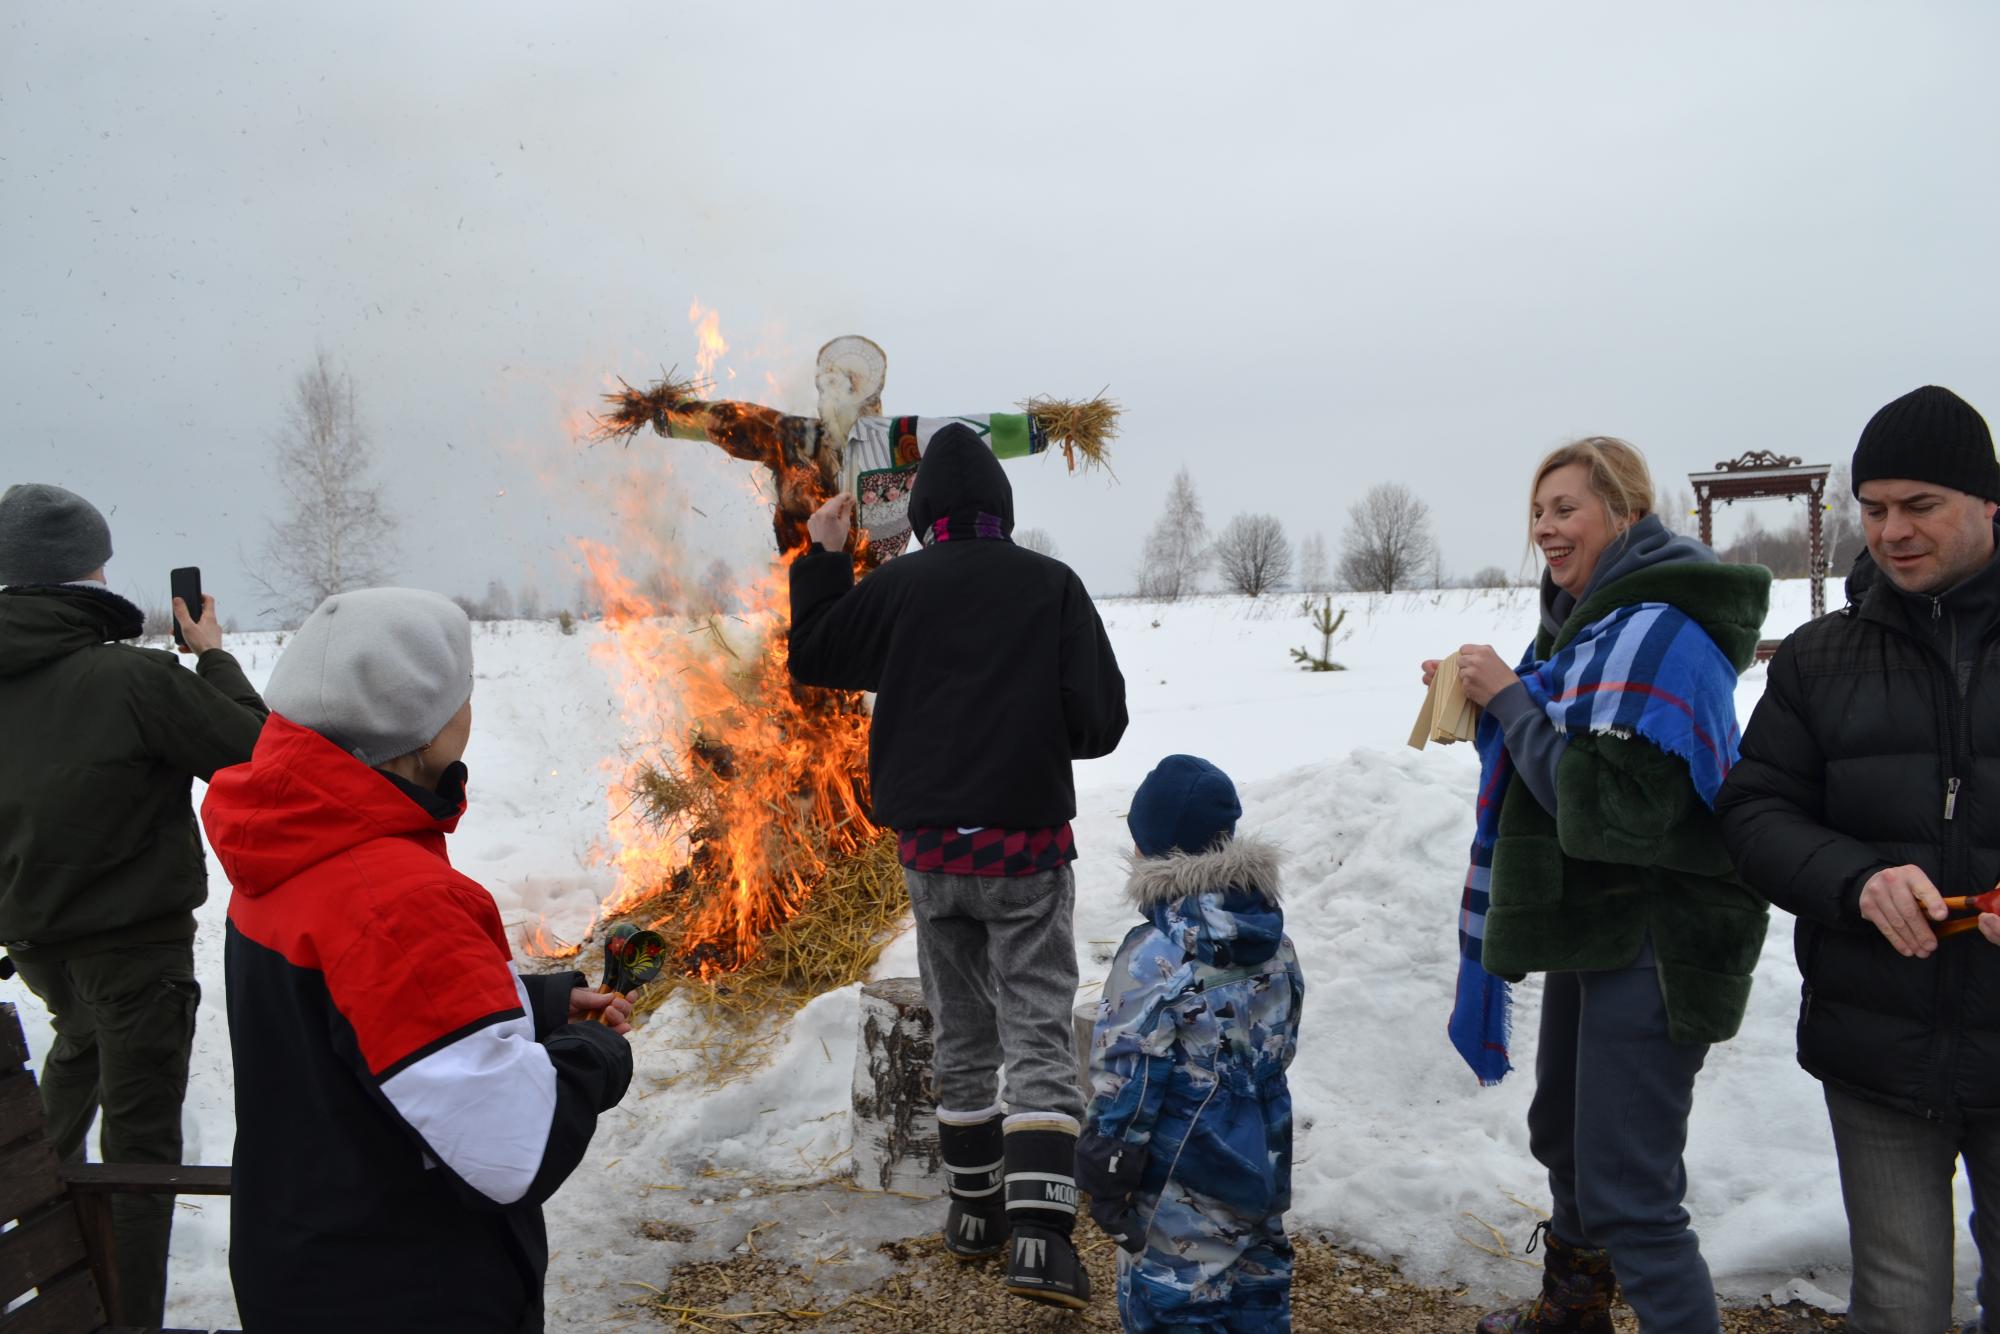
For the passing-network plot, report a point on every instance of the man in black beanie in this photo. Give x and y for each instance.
(101, 867)
(1869, 792)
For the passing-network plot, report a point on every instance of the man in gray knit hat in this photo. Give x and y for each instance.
(101, 867)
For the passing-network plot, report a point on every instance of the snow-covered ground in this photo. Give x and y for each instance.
(1400, 1153)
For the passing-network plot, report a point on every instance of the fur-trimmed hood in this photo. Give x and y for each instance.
(1220, 906)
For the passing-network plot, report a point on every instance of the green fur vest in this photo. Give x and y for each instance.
(1632, 850)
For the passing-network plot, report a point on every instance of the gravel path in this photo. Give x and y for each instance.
(930, 1293)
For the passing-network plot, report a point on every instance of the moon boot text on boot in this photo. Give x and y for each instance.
(1042, 1266)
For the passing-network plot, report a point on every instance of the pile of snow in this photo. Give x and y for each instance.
(1400, 1153)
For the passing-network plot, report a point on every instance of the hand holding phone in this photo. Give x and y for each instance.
(199, 612)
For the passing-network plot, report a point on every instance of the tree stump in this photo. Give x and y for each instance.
(895, 1111)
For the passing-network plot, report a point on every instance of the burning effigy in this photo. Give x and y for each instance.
(746, 838)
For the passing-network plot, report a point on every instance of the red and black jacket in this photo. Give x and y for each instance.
(405, 1100)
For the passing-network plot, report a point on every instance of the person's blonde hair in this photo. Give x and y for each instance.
(1618, 477)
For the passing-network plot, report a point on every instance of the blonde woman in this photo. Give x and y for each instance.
(1598, 860)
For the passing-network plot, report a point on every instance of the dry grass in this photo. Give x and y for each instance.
(831, 941)
(1334, 1291)
(629, 411)
(1085, 429)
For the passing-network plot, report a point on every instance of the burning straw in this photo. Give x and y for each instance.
(1079, 428)
(630, 411)
(831, 941)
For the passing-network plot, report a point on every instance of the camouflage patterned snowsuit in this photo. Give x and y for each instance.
(1200, 1017)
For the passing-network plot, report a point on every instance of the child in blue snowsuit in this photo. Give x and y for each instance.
(1187, 1145)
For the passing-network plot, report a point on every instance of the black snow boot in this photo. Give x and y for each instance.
(976, 1225)
(1577, 1290)
(1041, 1211)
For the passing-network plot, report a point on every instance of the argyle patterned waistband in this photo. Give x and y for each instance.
(1001, 852)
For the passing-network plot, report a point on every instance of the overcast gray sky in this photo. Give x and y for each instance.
(1308, 246)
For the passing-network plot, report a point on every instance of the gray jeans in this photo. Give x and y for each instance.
(1609, 1120)
(1895, 1178)
(998, 960)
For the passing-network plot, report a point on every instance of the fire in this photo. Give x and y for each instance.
(742, 789)
(710, 345)
(753, 786)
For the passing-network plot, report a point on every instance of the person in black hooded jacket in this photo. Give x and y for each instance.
(1868, 790)
(992, 673)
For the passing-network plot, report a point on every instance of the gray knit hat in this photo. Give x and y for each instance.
(49, 535)
(378, 671)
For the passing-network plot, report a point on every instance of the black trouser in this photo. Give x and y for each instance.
(124, 1022)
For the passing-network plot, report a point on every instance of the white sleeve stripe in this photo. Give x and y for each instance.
(484, 1104)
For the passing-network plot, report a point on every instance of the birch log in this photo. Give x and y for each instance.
(895, 1111)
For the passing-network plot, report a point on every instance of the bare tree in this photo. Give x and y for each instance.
(717, 591)
(1177, 548)
(1842, 531)
(1388, 543)
(1035, 539)
(1314, 573)
(1489, 576)
(499, 601)
(1253, 554)
(1677, 510)
(530, 603)
(337, 532)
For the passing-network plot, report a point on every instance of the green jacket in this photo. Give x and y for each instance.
(1632, 849)
(98, 842)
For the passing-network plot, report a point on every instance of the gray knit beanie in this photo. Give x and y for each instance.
(378, 671)
(49, 535)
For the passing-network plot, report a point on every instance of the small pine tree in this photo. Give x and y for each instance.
(1328, 624)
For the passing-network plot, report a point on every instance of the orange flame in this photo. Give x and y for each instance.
(783, 770)
(710, 345)
(777, 774)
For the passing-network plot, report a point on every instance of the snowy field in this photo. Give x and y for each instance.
(1400, 1153)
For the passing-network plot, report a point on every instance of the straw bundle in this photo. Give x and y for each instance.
(832, 940)
(1079, 428)
(629, 411)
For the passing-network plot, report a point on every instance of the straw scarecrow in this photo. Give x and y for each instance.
(851, 446)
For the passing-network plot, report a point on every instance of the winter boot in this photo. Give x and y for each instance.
(1577, 1288)
(1041, 1210)
(976, 1226)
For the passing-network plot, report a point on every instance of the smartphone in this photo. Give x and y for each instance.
(185, 584)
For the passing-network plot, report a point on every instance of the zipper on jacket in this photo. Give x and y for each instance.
(1950, 797)
(1958, 870)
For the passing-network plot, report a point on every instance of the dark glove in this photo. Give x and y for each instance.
(1111, 1170)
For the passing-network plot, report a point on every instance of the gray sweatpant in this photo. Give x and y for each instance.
(1609, 1120)
(997, 957)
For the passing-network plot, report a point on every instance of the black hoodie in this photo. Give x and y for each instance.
(990, 666)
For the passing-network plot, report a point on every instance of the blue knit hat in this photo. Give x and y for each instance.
(1185, 803)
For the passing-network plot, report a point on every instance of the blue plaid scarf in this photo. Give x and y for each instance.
(1644, 670)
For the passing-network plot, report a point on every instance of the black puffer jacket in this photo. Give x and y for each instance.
(992, 668)
(1877, 744)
